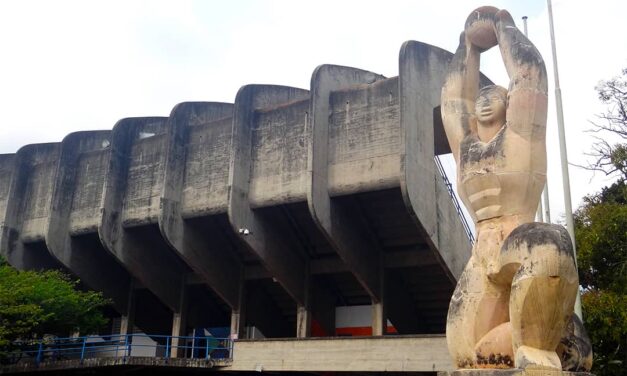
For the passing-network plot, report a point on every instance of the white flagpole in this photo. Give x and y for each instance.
(563, 153)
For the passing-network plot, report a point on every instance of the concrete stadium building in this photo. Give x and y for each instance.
(317, 219)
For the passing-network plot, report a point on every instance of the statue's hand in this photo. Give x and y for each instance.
(502, 20)
(480, 28)
(502, 17)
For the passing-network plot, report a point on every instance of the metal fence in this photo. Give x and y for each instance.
(451, 192)
(121, 346)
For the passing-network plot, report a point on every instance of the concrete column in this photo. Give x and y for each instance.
(379, 321)
(238, 314)
(303, 321)
(215, 265)
(285, 265)
(421, 74)
(379, 307)
(303, 311)
(127, 322)
(238, 320)
(344, 230)
(179, 324)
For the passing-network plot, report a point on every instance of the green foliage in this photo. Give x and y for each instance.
(601, 235)
(605, 318)
(615, 193)
(36, 303)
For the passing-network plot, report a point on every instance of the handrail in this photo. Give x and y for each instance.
(456, 204)
(122, 346)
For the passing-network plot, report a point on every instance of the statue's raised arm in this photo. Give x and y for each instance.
(459, 93)
(527, 94)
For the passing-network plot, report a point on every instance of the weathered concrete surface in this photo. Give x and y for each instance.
(28, 206)
(334, 191)
(190, 137)
(284, 264)
(348, 237)
(131, 207)
(6, 170)
(422, 69)
(114, 365)
(364, 142)
(358, 354)
(512, 372)
(263, 117)
(75, 212)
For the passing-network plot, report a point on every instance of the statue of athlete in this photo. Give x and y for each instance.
(514, 301)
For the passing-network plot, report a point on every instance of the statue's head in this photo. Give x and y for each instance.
(491, 105)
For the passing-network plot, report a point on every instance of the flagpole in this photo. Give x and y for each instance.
(563, 152)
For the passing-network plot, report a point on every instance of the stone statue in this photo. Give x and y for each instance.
(513, 305)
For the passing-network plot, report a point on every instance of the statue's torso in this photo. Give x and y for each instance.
(502, 177)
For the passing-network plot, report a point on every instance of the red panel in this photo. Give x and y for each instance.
(361, 331)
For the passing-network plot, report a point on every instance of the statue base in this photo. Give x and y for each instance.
(530, 371)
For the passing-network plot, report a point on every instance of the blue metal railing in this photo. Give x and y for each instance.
(123, 346)
(451, 192)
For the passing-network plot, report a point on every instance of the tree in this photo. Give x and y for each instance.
(605, 318)
(602, 239)
(33, 304)
(601, 236)
(611, 158)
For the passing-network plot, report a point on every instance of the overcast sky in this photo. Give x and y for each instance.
(77, 65)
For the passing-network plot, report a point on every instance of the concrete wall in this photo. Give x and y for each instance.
(391, 354)
(28, 207)
(280, 186)
(6, 169)
(207, 169)
(71, 235)
(421, 73)
(364, 136)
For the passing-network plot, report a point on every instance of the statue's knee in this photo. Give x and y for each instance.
(537, 241)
